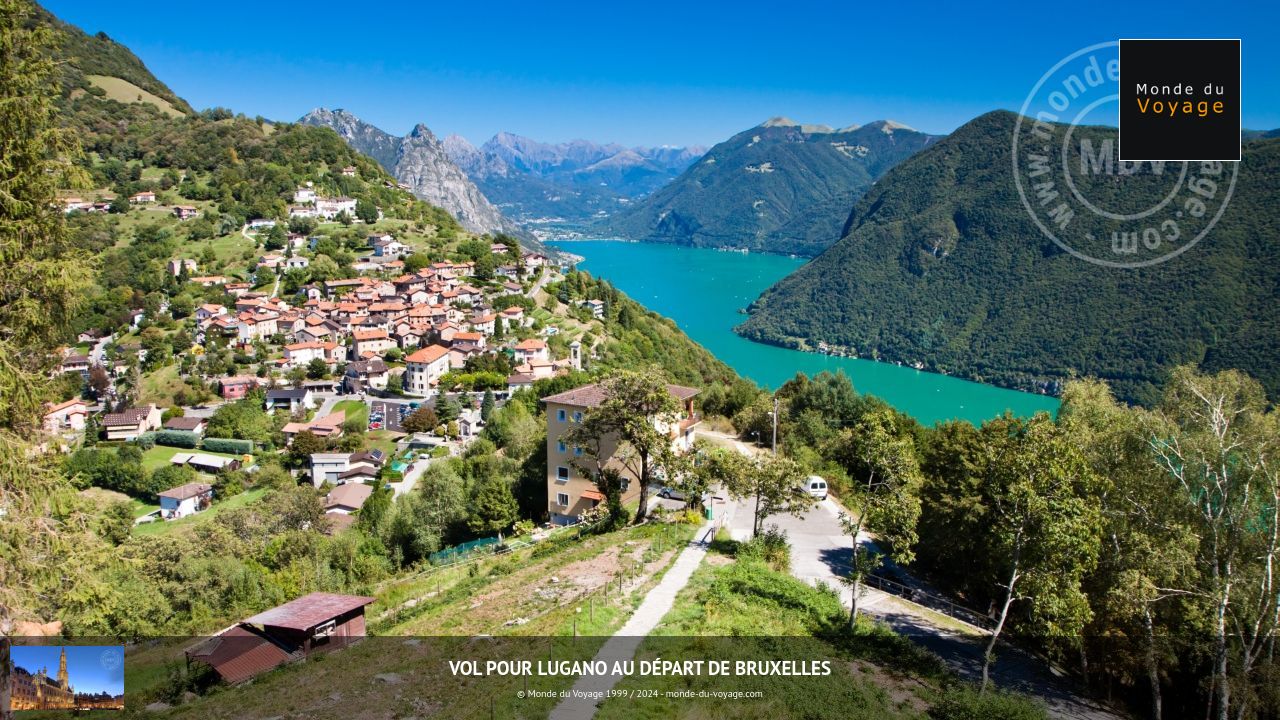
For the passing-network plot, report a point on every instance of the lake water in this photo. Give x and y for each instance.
(703, 290)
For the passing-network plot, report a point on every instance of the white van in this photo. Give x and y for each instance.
(816, 487)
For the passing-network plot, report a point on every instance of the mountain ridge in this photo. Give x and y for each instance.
(780, 186)
(420, 161)
(573, 181)
(941, 266)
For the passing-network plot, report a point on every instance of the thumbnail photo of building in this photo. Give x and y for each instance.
(99, 668)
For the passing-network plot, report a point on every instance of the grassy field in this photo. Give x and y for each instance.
(247, 497)
(743, 610)
(160, 455)
(383, 440)
(355, 410)
(507, 607)
(126, 92)
(159, 386)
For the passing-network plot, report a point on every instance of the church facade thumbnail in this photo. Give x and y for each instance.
(39, 691)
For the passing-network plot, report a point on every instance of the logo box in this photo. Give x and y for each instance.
(1180, 100)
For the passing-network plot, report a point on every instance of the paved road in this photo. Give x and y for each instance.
(821, 552)
(99, 349)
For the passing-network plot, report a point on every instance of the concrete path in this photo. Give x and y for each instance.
(623, 645)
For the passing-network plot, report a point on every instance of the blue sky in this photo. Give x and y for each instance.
(85, 667)
(647, 73)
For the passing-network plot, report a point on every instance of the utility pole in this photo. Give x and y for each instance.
(775, 424)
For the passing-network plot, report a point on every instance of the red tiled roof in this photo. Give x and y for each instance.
(430, 353)
(309, 611)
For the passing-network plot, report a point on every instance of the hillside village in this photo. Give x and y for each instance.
(412, 339)
(257, 393)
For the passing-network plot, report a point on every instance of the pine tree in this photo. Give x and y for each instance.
(45, 544)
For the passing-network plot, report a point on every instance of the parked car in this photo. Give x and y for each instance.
(670, 493)
(815, 486)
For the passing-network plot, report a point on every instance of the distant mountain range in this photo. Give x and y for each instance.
(778, 187)
(570, 182)
(419, 161)
(941, 265)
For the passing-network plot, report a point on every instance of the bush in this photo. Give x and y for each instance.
(177, 438)
(228, 445)
(770, 547)
(962, 703)
(145, 441)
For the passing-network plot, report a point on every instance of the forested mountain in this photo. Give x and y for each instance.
(940, 264)
(573, 181)
(778, 187)
(419, 161)
(90, 57)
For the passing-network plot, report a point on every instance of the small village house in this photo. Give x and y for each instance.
(184, 500)
(194, 425)
(236, 387)
(290, 399)
(129, 424)
(64, 416)
(347, 498)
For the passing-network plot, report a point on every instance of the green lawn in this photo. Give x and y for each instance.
(160, 455)
(354, 409)
(383, 440)
(247, 497)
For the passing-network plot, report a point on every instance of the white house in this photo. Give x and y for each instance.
(297, 262)
(423, 369)
(527, 351)
(291, 399)
(185, 500)
(70, 415)
(330, 208)
(304, 195)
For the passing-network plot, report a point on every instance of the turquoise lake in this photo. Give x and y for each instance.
(703, 291)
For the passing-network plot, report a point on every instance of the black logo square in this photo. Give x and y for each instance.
(1179, 100)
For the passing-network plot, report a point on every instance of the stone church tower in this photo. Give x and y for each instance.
(63, 681)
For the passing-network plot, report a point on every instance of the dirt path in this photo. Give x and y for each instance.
(580, 704)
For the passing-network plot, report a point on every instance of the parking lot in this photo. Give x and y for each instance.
(387, 415)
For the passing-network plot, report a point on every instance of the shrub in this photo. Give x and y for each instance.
(177, 438)
(770, 547)
(145, 441)
(962, 703)
(228, 445)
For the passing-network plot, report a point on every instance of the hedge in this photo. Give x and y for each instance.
(228, 445)
(178, 439)
(146, 440)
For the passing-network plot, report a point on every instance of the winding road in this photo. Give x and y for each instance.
(821, 552)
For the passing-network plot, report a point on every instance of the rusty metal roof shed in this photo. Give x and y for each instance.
(240, 653)
(309, 611)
